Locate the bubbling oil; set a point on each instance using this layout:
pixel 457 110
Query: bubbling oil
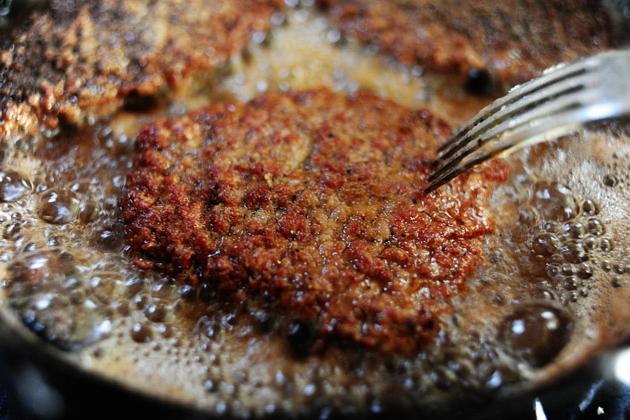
pixel 553 293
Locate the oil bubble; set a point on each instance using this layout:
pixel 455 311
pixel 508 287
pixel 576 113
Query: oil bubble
pixel 570 283
pixel 574 252
pixel 590 243
pixel 209 385
pixel 610 180
pixel 546 244
pixel 555 201
pixel 577 230
pixel 155 313
pixel 38 268
pixel 141 333
pixel 543 293
pixel 585 271
pixel 553 270
pixel 567 269
pixel 13 186
pixel 87 212
pixel 589 207
pixel 45 290
pixel 12 231
pixel 536 333
pixel 606 245
pixel 58 207
pixel 109 239
pixel 596 227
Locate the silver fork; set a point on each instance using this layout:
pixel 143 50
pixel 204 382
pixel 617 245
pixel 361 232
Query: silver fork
pixel 559 102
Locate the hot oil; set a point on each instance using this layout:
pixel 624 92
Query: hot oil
pixel 304 52
pixel 553 296
pixel 554 290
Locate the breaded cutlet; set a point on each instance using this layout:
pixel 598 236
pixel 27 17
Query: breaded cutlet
pixel 311 202
pixel 77 61
pixel 511 41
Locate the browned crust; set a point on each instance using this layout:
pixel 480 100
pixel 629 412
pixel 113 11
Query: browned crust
pixel 77 61
pixel 513 40
pixel 311 201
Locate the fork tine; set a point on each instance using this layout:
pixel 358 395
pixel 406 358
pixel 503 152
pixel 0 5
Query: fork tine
pixel 455 172
pixel 553 125
pixel 564 87
pixel 549 76
pixel 561 101
pixel 528 118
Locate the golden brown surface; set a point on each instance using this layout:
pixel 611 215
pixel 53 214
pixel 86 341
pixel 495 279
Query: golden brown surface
pixel 513 40
pixel 313 202
pixel 81 60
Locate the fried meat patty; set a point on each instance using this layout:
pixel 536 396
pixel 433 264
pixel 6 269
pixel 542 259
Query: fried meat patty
pixel 512 40
pixel 312 202
pixel 80 60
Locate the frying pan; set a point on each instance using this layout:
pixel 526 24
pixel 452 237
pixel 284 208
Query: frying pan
pixel 48 385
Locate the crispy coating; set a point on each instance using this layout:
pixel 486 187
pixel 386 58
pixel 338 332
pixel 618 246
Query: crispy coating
pixel 512 40
pixel 311 201
pixel 80 60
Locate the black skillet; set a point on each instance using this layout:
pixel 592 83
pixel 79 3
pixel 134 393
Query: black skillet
pixel 44 384
pixel 41 382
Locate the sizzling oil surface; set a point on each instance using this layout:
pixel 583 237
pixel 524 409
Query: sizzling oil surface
pixel 555 291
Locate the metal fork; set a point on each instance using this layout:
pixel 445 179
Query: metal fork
pixel 559 102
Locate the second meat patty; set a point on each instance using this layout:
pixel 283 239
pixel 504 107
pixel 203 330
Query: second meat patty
pixel 511 40
pixel 312 203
